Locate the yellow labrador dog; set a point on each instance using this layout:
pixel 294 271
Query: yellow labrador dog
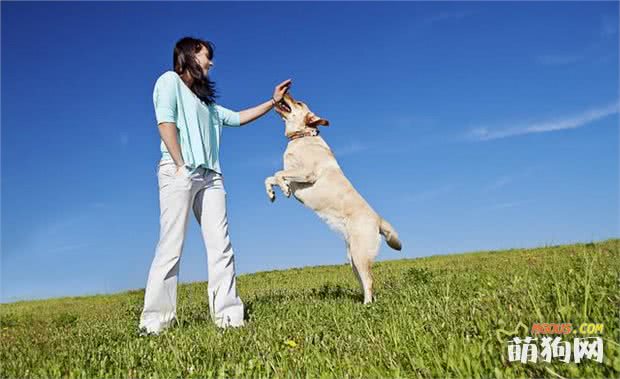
pixel 312 174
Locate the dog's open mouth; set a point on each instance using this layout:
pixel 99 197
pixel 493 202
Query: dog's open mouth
pixel 283 106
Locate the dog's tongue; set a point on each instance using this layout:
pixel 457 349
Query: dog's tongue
pixel 282 105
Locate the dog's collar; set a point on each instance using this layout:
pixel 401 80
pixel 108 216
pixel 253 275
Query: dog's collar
pixel 308 132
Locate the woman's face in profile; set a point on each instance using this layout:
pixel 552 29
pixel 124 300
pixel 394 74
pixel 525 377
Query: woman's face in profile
pixel 204 60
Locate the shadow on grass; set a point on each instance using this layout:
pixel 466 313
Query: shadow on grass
pixel 325 292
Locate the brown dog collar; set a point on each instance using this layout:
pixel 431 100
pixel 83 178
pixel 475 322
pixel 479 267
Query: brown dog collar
pixel 308 132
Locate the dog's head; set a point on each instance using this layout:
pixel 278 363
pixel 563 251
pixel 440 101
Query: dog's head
pixel 296 115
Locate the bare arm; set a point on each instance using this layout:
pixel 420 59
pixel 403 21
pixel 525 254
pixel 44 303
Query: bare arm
pixel 251 114
pixel 168 133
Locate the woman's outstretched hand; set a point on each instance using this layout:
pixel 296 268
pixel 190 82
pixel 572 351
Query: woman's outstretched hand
pixel 251 114
pixel 280 90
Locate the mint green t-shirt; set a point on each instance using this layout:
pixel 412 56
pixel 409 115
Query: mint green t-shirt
pixel 199 126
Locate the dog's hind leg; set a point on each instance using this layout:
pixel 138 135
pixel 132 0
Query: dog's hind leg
pixel 350 258
pixel 362 271
pixel 363 251
pixel 349 253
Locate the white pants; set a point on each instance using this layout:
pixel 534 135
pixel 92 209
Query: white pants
pixel 204 192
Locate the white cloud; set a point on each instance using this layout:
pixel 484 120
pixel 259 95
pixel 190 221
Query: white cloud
pixel 501 182
pixel 507 179
pixel 64 234
pixel 507 205
pixel 593 52
pixel 570 122
pixel 428 194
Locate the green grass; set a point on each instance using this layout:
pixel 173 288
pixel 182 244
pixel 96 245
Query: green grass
pixel 441 316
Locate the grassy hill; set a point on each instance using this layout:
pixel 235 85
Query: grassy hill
pixel 441 316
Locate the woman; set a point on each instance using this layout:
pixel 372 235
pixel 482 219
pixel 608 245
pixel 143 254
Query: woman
pixel 189 176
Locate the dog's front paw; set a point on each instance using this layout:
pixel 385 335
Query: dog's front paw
pixel 284 187
pixel 287 191
pixel 271 195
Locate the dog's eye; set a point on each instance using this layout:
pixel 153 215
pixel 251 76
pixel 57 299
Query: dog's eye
pixel 298 103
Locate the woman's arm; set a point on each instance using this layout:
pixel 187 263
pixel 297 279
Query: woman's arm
pixel 168 133
pixel 251 114
pixel 165 102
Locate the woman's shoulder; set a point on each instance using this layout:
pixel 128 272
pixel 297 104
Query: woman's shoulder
pixel 168 77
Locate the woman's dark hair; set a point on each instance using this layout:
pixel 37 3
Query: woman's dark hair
pixel 184 59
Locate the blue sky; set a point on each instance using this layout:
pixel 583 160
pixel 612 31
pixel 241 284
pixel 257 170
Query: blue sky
pixel 469 126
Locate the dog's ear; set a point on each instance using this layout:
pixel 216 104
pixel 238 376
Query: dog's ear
pixel 314 120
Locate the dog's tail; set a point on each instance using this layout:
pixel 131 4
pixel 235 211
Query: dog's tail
pixel 391 237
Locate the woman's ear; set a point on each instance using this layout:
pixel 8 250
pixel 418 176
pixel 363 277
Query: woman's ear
pixel 314 120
